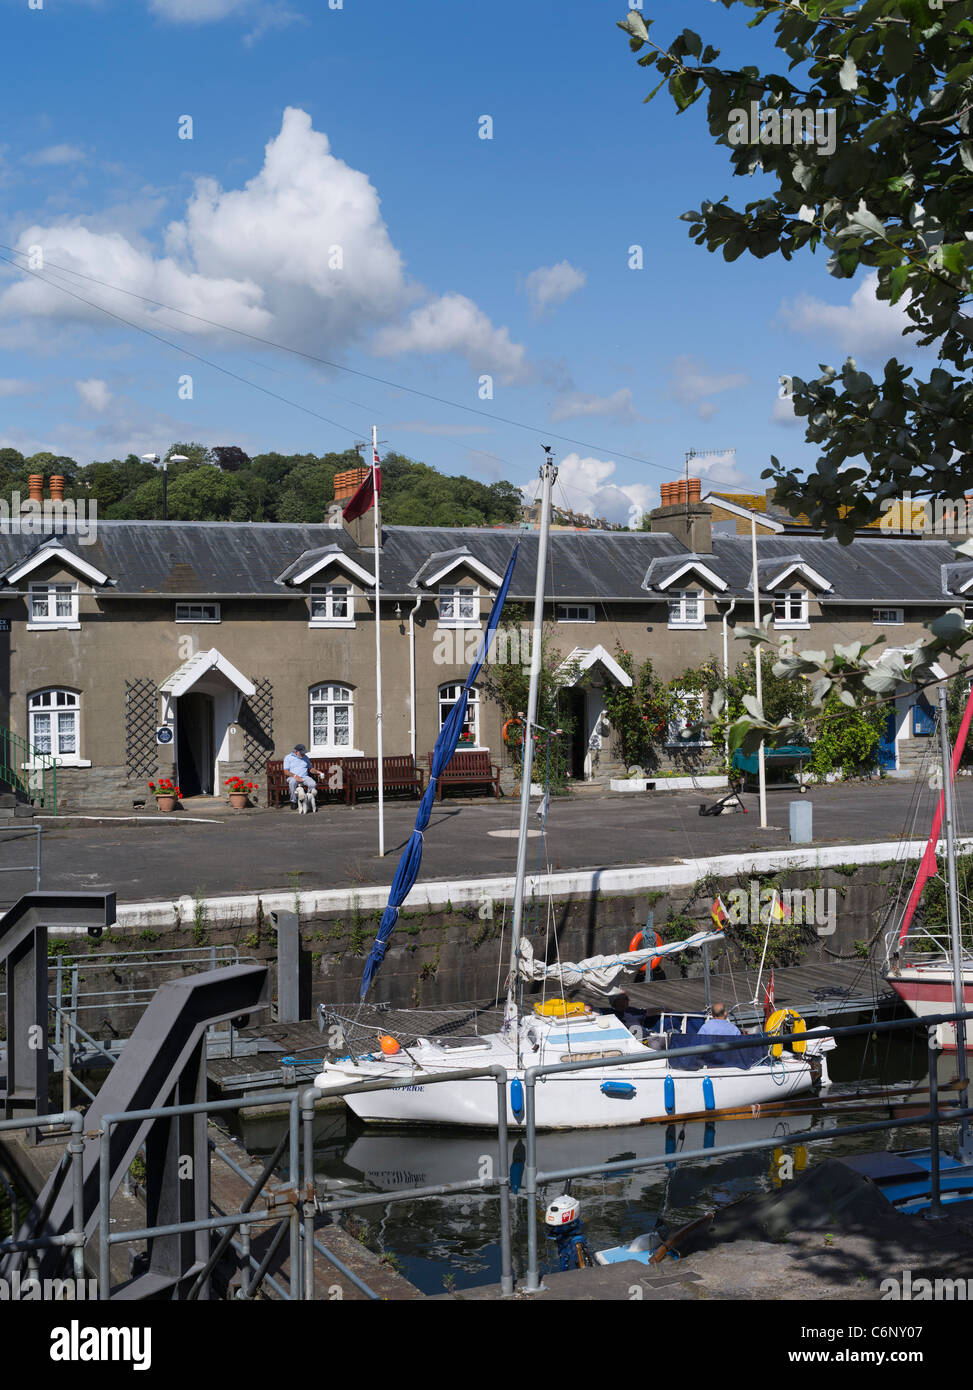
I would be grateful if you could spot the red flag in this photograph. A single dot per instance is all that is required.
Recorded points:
(927, 864)
(364, 498)
(719, 913)
(769, 996)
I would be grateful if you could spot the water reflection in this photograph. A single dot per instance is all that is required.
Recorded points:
(456, 1238)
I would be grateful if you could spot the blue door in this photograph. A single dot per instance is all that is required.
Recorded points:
(885, 752)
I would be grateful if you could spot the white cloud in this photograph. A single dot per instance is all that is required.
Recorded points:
(551, 285)
(783, 411)
(865, 324)
(300, 253)
(453, 323)
(198, 11)
(94, 394)
(585, 485)
(692, 384)
(55, 154)
(618, 405)
(11, 386)
(718, 470)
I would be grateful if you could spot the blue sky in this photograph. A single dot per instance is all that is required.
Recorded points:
(336, 198)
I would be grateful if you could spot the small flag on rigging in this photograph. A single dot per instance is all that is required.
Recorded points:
(719, 913)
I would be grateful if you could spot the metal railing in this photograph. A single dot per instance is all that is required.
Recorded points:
(932, 947)
(301, 1204)
(534, 1179)
(295, 1205)
(24, 769)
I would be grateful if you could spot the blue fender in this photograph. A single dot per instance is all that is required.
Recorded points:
(670, 1094)
(709, 1099)
(618, 1090)
(517, 1098)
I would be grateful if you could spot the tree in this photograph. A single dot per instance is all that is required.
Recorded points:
(891, 194)
(230, 457)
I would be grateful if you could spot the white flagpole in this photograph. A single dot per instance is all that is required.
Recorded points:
(378, 648)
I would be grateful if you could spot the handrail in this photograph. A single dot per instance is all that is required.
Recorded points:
(28, 771)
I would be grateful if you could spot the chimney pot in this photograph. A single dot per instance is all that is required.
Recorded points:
(35, 483)
(57, 489)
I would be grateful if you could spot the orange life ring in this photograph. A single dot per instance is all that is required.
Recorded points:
(636, 945)
(503, 731)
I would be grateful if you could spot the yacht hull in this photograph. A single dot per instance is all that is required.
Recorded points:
(570, 1100)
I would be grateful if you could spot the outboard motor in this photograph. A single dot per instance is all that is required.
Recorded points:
(565, 1228)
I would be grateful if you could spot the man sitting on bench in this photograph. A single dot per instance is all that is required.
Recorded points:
(298, 767)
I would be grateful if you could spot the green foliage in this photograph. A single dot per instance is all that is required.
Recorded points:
(845, 739)
(933, 909)
(956, 697)
(224, 484)
(890, 194)
(507, 684)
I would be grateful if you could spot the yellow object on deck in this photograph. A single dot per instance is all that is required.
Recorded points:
(560, 1008)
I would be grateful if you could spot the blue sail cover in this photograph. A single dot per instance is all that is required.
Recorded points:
(408, 870)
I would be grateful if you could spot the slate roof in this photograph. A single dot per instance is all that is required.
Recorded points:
(208, 558)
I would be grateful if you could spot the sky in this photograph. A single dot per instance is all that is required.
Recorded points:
(439, 203)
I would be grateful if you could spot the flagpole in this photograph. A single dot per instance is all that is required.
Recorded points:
(761, 765)
(378, 646)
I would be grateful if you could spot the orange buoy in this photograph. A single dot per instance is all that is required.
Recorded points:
(636, 944)
(388, 1044)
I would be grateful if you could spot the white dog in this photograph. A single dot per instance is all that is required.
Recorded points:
(306, 800)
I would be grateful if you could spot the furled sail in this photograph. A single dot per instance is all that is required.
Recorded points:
(599, 973)
(408, 869)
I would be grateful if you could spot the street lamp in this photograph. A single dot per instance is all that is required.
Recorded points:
(170, 458)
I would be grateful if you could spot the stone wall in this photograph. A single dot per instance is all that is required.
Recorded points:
(446, 957)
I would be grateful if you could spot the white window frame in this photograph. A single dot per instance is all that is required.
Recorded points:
(58, 705)
(38, 622)
(672, 730)
(468, 596)
(342, 696)
(787, 599)
(448, 695)
(184, 613)
(576, 612)
(331, 598)
(682, 602)
(881, 618)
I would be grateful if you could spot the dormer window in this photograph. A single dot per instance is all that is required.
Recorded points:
(53, 606)
(459, 605)
(332, 605)
(790, 609)
(687, 609)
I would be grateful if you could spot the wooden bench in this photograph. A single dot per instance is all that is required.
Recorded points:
(398, 772)
(467, 768)
(323, 770)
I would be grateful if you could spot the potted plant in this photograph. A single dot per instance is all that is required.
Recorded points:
(239, 792)
(166, 793)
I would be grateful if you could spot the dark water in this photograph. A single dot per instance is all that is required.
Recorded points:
(453, 1242)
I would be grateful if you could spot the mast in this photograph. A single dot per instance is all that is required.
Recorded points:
(547, 473)
(376, 522)
(953, 900)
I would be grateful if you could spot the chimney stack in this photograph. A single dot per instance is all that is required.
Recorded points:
(347, 484)
(684, 515)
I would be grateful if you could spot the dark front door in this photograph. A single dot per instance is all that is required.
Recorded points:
(195, 751)
(885, 751)
(573, 703)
